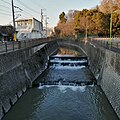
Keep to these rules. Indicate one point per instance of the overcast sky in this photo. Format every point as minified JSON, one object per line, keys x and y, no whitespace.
{"x":31,"y":8}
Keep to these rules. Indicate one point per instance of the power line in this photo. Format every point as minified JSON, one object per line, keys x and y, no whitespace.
{"x":23,"y":16}
{"x":18,"y":8}
{"x":10,"y":4}
{"x":4,"y":10}
{"x":38,"y":5}
{"x":5,"y":14}
{"x":6,"y":2}
{"x":5,"y":6}
{"x":28,"y":7}
{"x":27,"y":13}
{"x":21,"y":10}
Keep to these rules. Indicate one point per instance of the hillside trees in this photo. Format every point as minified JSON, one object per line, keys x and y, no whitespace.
{"x":62,"y":18}
{"x":7,"y":30}
{"x":92,"y":22}
{"x":108,"y":6}
{"x":65,"y":25}
{"x":112,"y":8}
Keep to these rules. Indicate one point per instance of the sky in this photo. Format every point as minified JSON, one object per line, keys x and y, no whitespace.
{"x":51,"y":9}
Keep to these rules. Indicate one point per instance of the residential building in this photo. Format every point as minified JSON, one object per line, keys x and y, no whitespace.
{"x":28,"y":28}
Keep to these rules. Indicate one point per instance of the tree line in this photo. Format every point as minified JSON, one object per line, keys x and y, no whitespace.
{"x":94,"y":21}
{"x":6,"y":32}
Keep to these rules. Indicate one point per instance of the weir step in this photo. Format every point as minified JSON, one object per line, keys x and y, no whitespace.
{"x":67,"y":83}
{"x":68,"y":61}
{"x":72,"y":58}
{"x":67,"y":70}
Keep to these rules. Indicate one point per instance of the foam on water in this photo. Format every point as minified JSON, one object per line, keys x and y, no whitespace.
{"x":91,"y":85}
{"x":59,"y":55}
{"x":64,"y":88}
{"x":46,"y":86}
{"x":68,"y":61}
{"x":68,"y":67}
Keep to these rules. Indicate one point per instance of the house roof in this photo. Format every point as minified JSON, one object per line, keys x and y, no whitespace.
{"x":31,"y":18}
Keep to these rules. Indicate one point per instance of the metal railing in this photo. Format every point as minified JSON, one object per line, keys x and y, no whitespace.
{"x":113,"y":45}
{"x":11,"y":46}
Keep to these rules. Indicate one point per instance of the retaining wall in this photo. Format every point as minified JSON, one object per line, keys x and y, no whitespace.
{"x":18,"y":69}
{"x":105,"y":65}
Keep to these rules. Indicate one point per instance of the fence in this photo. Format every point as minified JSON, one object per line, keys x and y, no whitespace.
{"x":11,"y":46}
{"x":111,"y":44}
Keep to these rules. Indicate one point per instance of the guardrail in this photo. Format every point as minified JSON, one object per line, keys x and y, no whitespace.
{"x":113,"y":45}
{"x":11,"y":46}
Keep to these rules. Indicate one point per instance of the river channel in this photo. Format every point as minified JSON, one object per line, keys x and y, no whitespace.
{"x":63,"y":100}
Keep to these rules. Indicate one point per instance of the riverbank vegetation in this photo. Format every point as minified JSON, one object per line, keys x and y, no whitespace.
{"x":95,"y":21}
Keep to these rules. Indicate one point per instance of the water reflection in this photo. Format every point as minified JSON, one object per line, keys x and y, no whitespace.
{"x":65,"y":51}
{"x":62,"y":103}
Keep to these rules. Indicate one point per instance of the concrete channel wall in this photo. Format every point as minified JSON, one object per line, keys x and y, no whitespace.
{"x":105,"y":65}
{"x":18,"y":69}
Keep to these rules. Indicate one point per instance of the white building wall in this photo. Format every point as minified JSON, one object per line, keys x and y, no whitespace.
{"x":29,"y":28}
{"x":37,"y":26}
{"x":32,"y":23}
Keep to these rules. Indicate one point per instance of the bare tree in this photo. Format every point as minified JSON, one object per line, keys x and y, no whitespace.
{"x":108,"y":6}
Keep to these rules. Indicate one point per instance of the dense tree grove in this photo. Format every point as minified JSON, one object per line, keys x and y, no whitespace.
{"x":94,"y":21}
{"x":7,"y":30}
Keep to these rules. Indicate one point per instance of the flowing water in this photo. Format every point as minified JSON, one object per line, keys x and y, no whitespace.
{"x":62,"y":103}
{"x":60,"y":96}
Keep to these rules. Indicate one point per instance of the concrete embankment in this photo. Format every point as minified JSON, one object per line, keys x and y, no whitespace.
{"x":18,"y":69}
{"x":105,"y":65}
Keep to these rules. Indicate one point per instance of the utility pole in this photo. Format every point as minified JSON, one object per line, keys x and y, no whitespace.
{"x":46,"y":22}
{"x":111,"y":17}
{"x":42,"y":17}
{"x":86,"y":29}
{"x":14,"y":21}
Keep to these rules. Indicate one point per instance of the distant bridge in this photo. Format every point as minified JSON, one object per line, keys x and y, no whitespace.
{"x":113,"y":44}
{"x":12,"y":46}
